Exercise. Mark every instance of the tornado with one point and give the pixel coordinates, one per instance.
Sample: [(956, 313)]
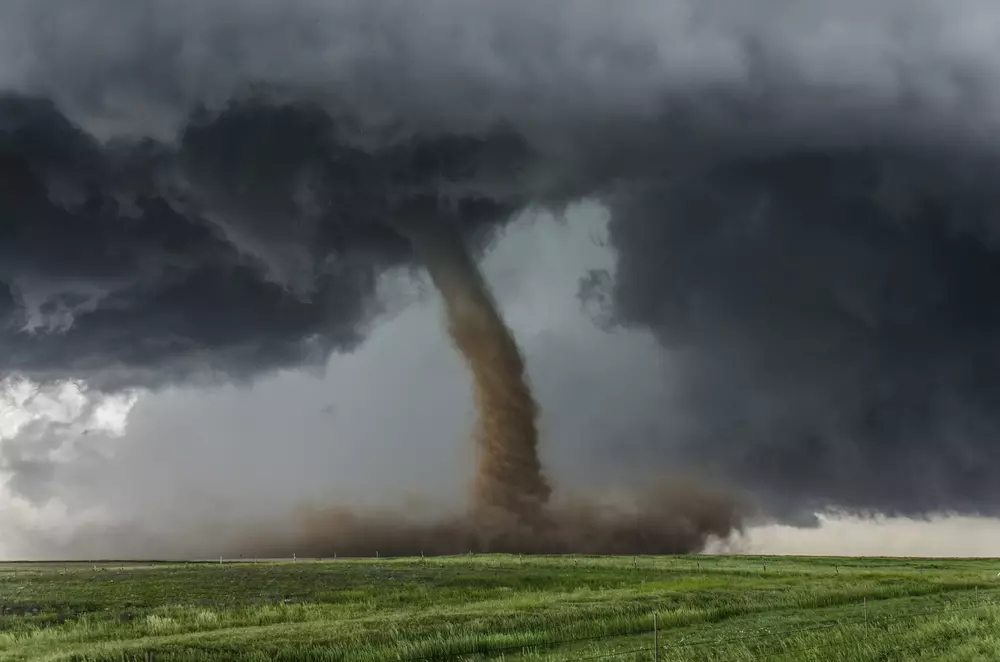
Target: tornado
[(509, 486)]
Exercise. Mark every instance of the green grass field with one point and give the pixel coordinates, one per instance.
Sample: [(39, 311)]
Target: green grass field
[(503, 607)]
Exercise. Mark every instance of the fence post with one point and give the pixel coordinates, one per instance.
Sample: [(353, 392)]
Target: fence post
[(656, 639), (149, 656)]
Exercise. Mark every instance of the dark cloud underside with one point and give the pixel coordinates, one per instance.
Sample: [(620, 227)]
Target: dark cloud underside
[(254, 243)]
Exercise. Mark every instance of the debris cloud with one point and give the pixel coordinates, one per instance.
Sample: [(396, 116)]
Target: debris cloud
[(679, 517), (676, 517)]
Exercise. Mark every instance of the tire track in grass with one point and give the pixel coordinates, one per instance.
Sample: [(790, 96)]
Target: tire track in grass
[(474, 642)]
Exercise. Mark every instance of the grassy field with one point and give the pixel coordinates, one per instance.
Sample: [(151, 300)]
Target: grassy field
[(503, 607)]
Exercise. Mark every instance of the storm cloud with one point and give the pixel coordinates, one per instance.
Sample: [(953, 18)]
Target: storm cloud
[(129, 275), (801, 196), (833, 316)]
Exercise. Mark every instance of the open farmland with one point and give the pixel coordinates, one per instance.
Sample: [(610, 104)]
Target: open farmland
[(504, 607)]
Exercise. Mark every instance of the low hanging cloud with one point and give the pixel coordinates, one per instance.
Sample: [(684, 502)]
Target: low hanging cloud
[(800, 196), (132, 276)]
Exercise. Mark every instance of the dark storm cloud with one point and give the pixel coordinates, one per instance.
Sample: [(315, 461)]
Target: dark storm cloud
[(835, 317), (253, 243), (802, 202)]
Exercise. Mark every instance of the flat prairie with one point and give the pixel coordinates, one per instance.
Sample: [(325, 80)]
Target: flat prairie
[(501, 607)]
